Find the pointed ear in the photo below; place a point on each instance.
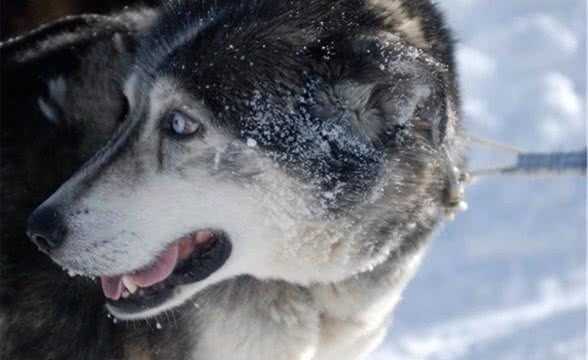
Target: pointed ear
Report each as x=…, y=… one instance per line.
x=391, y=92
x=69, y=74
x=412, y=100
x=61, y=41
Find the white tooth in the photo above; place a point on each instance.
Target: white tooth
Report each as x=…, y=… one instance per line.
x=125, y=294
x=132, y=287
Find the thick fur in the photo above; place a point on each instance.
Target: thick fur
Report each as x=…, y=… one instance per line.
x=330, y=129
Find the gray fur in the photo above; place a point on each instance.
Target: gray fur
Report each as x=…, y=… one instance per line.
x=395, y=98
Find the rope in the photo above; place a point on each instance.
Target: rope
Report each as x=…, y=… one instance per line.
x=481, y=141
x=529, y=164
x=534, y=164
x=551, y=164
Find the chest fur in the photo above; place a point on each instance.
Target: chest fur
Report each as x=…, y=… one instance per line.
x=249, y=319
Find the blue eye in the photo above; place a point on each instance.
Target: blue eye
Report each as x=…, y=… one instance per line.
x=180, y=124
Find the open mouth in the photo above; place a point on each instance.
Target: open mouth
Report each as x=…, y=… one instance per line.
x=190, y=259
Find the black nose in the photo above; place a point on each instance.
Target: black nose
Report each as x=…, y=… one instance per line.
x=46, y=228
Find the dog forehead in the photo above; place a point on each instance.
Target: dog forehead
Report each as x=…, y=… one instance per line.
x=223, y=43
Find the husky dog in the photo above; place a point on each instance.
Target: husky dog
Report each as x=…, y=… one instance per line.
x=274, y=183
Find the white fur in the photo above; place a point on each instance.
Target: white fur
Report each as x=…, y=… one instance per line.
x=242, y=333
x=58, y=90
x=48, y=111
x=345, y=320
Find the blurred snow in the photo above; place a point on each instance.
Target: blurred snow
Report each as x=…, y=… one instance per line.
x=507, y=279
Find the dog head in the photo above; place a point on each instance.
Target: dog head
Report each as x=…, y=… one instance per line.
x=271, y=139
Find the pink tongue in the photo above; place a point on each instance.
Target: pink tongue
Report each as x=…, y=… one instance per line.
x=159, y=271
x=113, y=286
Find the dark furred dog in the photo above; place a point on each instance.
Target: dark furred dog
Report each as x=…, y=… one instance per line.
x=270, y=191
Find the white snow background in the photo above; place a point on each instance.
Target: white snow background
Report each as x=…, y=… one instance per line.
x=506, y=280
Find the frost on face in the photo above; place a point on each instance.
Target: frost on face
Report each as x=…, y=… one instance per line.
x=314, y=132
x=336, y=163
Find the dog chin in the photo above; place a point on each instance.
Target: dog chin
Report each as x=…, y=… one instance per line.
x=181, y=296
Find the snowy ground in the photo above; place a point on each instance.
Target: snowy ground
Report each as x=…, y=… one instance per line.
x=506, y=280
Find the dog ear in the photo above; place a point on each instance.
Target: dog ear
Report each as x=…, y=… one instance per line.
x=58, y=46
x=66, y=35
x=390, y=91
x=69, y=73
